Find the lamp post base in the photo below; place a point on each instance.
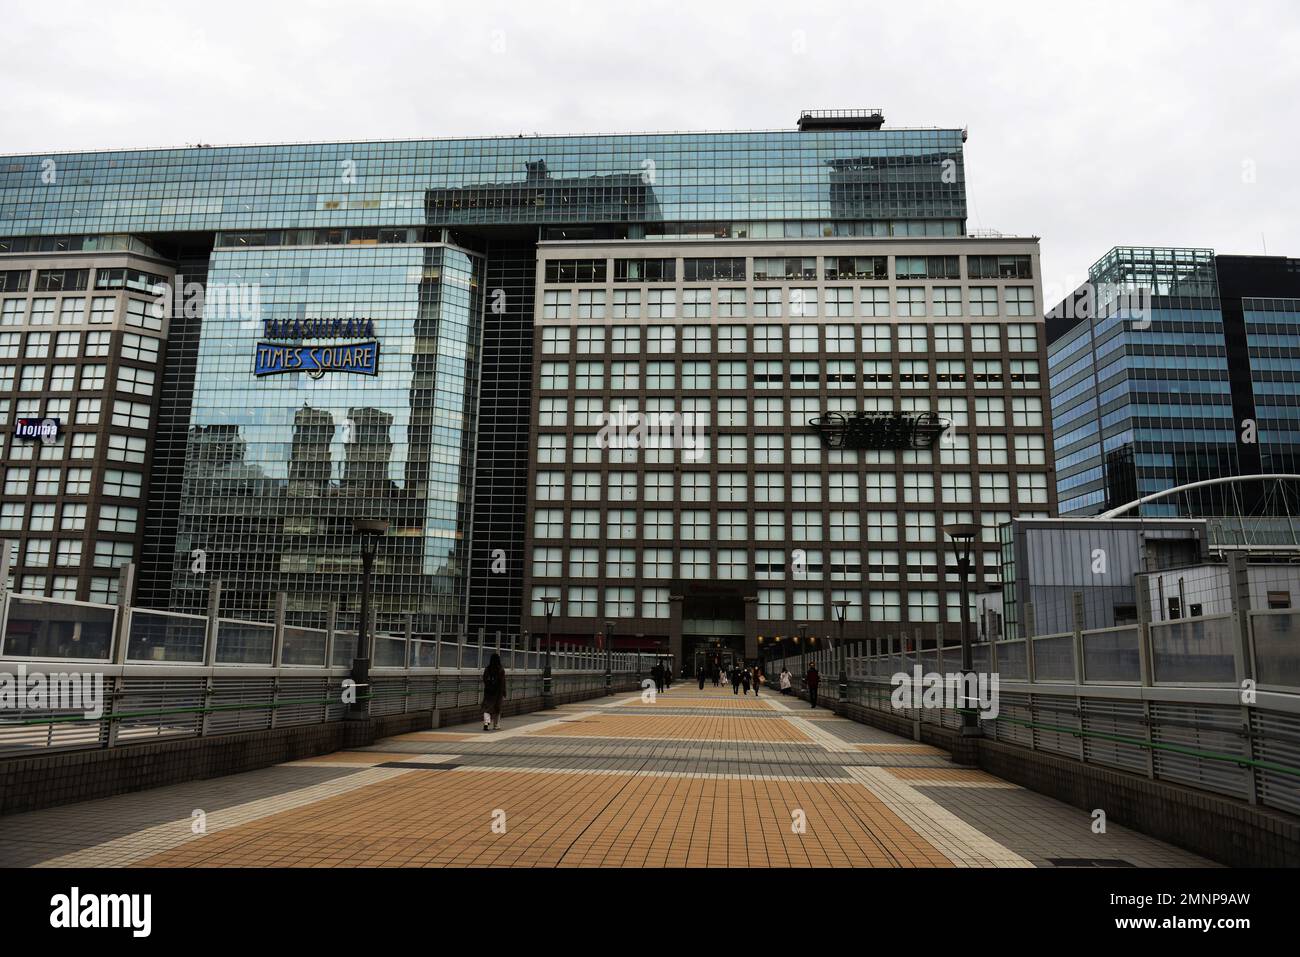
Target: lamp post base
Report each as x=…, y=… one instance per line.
x=548, y=700
x=359, y=709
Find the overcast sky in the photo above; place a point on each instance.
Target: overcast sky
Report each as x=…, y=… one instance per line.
x=1091, y=125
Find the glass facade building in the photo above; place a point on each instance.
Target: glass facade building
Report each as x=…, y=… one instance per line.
x=346, y=230
x=1170, y=367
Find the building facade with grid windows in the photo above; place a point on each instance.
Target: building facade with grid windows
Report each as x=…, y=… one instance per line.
x=681, y=490
x=241, y=468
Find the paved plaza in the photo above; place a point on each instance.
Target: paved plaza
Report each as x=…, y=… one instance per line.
x=690, y=779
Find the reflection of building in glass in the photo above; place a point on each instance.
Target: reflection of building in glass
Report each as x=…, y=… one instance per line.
x=281, y=465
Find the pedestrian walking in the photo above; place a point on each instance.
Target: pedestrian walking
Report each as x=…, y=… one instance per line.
x=701, y=679
x=758, y=679
x=810, y=682
x=744, y=679
x=785, y=680
x=494, y=693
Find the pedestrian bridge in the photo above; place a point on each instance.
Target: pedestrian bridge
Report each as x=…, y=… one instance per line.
x=684, y=778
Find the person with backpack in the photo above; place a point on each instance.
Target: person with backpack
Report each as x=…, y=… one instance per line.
x=494, y=693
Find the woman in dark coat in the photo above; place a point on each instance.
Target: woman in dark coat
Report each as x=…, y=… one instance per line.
x=494, y=692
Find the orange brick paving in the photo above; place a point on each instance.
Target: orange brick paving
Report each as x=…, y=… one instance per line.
x=571, y=820
x=676, y=727
x=356, y=757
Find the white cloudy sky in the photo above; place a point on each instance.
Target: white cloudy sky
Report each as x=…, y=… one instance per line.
x=1091, y=125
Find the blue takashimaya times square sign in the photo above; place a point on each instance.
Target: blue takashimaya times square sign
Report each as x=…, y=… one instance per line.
x=292, y=354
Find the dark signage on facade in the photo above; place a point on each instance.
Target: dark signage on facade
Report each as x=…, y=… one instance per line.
x=293, y=355
x=871, y=430
x=46, y=430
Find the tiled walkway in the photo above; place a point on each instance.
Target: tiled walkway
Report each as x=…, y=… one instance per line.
x=692, y=779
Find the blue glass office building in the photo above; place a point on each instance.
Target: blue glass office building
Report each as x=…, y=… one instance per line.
x=435, y=242
x=1197, y=378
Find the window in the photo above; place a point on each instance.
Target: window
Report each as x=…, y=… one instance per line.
x=575, y=270
x=16, y=480
x=139, y=314
x=695, y=563
x=1030, y=450
x=733, y=563
x=857, y=267
x=104, y=590
x=113, y=554
x=92, y=377
x=947, y=301
x=803, y=303
x=984, y=338
x=697, y=304
x=582, y=602
x=661, y=339
x=37, y=553
x=657, y=563
x=654, y=603
x=96, y=344
x=1020, y=300
x=14, y=311
x=733, y=303
x=923, y=606
x=555, y=339
x=123, y=448
x=557, y=304
x=911, y=301
x=88, y=411
x=102, y=310
x=555, y=375
x=767, y=303
x=83, y=445
x=809, y=605
x=881, y=527
x=1022, y=337
x=78, y=482
x=662, y=304
x=771, y=604
x=1027, y=412
x=645, y=270
x=591, y=305
x=983, y=301
x=995, y=488
x=880, y=487
x=999, y=267
x=1031, y=489
x=548, y=523
x=12, y=515
x=927, y=267
x=627, y=305
x=875, y=303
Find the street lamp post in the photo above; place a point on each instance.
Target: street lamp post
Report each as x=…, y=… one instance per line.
x=963, y=535
x=803, y=640
x=369, y=531
x=609, y=657
x=841, y=609
x=549, y=601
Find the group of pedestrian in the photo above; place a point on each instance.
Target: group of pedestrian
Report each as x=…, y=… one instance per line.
x=741, y=677
x=810, y=681
x=662, y=673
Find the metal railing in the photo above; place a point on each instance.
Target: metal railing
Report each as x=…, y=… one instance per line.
x=163, y=675
x=1184, y=701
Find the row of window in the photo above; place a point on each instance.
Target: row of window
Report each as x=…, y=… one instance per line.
x=838, y=337
x=72, y=312
x=776, y=302
x=803, y=527
x=766, y=564
x=884, y=605
x=67, y=552
x=116, y=483
x=40, y=517
x=67, y=345
x=770, y=412
x=102, y=590
x=771, y=449
x=69, y=377
x=75, y=280
x=643, y=269
x=743, y=374
x=800, y=487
